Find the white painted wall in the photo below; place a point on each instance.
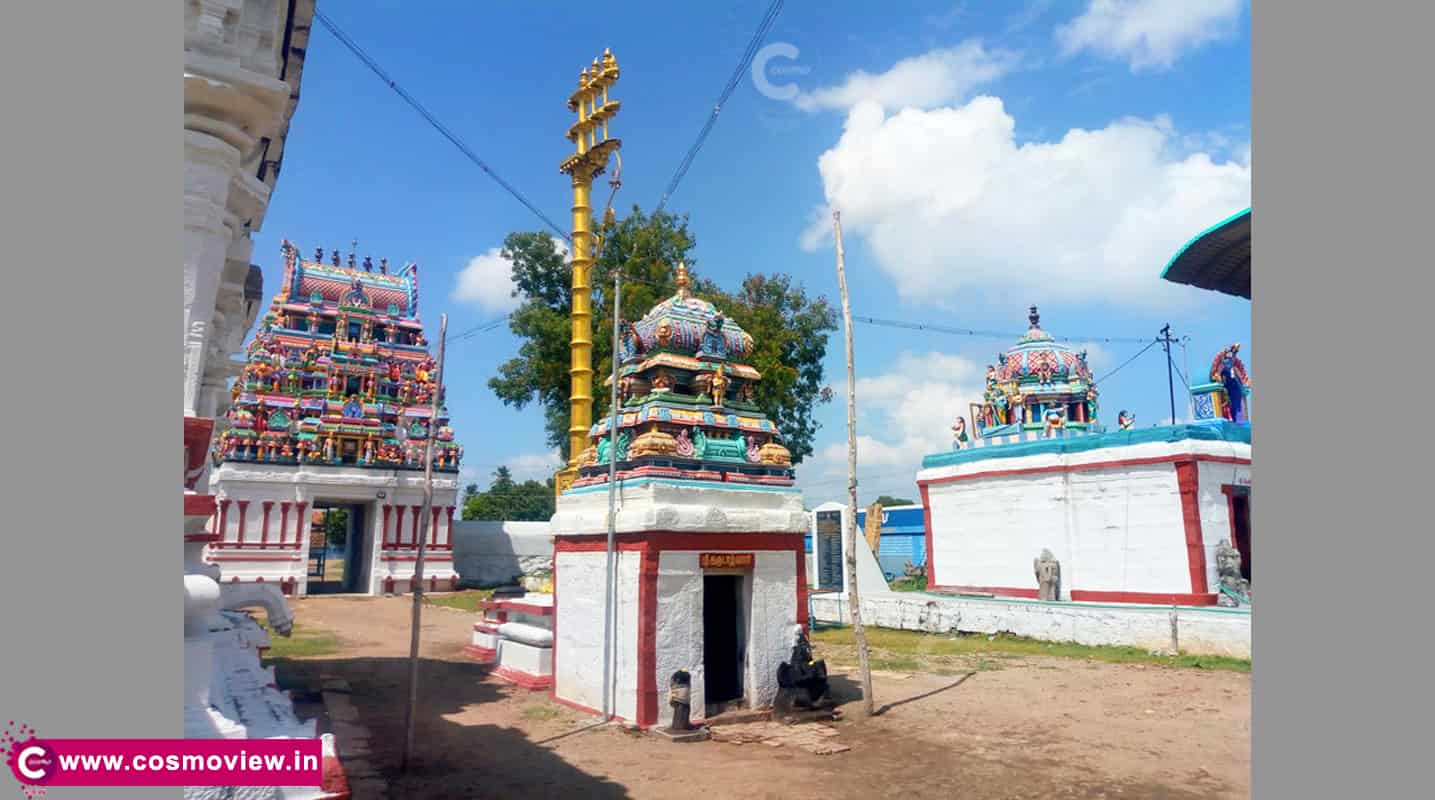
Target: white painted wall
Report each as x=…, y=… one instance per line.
x=656, y=505
x=492, y=553
x=317, y=483
x=1117, y=529
x=578, y=662
x=771, y=615
x=1201, y=631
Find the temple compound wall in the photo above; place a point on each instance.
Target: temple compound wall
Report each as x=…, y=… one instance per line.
x=1133, y=516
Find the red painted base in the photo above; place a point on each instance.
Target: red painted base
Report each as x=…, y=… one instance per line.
x=482, y=655
x=585, y=709
x=525, y=679
x=336, y=783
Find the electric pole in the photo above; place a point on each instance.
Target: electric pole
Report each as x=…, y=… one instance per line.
x=1166, y=341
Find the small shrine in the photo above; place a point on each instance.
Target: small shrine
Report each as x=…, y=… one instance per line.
x=1039, y=386
x=686, y=400
x=710, y=568
x=333, y=408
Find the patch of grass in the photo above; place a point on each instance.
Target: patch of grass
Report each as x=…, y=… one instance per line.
x=301, y=643
x=896, y=664
x=887, y=643
x=541, y=712
x=466, y=600
x=917, y=583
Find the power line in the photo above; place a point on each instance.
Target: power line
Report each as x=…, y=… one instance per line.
x=432, y=120
x=1152, y=344
x=922, y=326
x=742, y=66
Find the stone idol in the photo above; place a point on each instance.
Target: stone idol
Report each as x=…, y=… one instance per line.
x=1048, y=576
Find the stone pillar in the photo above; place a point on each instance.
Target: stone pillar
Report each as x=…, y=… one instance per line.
x=209, y=163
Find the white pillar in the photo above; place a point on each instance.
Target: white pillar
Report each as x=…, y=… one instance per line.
x=209, y=164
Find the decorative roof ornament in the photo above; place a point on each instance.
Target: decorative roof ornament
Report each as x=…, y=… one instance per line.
x=683, y=281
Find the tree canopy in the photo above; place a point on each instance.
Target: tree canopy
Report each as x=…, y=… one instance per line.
x=888, y=501
x=507, y=499
x=789, y=327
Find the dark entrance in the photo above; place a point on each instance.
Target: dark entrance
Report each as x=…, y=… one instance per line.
x=722, y=639
x=338, y=551
x=1241, y=530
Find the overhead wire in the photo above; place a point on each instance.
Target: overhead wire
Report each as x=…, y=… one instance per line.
x=453, y=138
x=743, y=64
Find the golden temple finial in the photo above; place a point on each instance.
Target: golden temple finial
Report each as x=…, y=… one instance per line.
x=682, y=280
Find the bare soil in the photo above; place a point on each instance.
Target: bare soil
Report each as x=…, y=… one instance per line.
x=1011, y=727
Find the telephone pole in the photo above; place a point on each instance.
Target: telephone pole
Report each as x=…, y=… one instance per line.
x=590, y=134
x=1166, y=341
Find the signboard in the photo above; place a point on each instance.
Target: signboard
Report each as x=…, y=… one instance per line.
x=726, y=560
x=829, y=550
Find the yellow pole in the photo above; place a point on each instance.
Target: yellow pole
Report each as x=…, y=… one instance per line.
x=593, y=148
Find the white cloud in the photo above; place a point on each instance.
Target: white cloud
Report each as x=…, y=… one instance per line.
x=487, y=280
x=952, y=208
x=932, y=79
x=1148, y=34
x=904, y=414
x=535, y=466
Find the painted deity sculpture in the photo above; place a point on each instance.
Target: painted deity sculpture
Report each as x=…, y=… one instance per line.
x=1228, y=370
x=959, y=434
x=1125, y=420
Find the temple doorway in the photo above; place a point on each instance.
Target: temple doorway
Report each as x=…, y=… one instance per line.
x=339, y=548
x=1241, y=530
x=723, y=637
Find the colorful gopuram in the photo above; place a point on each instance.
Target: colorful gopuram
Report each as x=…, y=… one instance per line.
x=334, y=406
x=1038, y=386
x=687, y=402
x=708, y=557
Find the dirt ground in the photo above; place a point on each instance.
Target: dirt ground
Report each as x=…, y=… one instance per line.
x=1031, y=727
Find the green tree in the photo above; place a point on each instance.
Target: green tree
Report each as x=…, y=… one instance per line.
x=789, y=328
x=506, y=499
x=336, y=527
x=888, y=501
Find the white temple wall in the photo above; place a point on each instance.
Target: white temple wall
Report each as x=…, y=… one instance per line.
x=492, y=553
x=1114, y=529
x=579, y=630
x=770, y=592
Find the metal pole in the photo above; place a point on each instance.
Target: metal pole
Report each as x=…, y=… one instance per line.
x=422, y=543
x=608, y=606
x=854, y=601
x=1170, y=379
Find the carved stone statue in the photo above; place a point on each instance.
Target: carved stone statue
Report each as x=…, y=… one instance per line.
x=1228, y=576
x=1048, y=576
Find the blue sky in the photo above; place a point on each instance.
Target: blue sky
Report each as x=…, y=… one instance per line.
x=985, y=157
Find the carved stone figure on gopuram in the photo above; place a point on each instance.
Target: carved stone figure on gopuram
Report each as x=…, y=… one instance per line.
x=686, y=402
x=339, y=374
